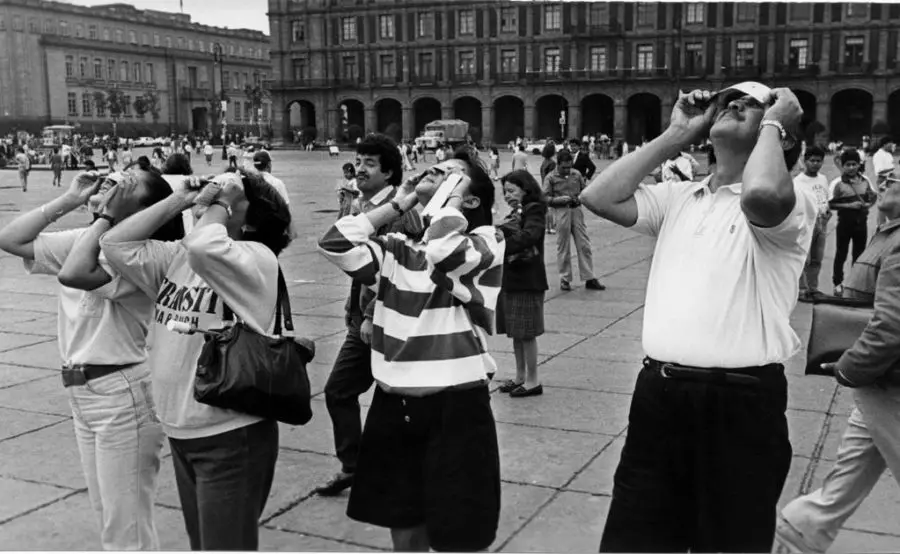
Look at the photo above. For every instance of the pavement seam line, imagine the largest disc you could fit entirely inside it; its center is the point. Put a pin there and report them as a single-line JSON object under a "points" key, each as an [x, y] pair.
{"points": [[816, 455], [49, 339], [22, 434], [323, 537], [28, 382], [559, 490], [41, 507]]}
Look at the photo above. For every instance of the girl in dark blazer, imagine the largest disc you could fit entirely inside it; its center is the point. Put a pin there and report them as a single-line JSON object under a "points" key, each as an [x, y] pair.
{"points": [[520, 308]]}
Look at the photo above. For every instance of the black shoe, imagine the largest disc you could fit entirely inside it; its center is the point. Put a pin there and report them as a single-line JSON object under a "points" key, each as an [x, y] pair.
{"points": [[336, 485], [521, 391], [594, 284]]}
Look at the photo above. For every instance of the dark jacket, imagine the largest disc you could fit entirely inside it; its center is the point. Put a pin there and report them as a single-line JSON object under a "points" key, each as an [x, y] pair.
{"points": [[523, 231], [584, 165]]}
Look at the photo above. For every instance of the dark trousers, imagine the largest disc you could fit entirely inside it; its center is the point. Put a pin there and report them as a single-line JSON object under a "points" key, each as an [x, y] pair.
{"points": [[702, 467], [848, 229], [350, 377], [223, 483]]}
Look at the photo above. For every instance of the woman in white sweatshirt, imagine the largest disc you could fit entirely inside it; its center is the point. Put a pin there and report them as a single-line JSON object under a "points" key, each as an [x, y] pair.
{"points": [[103, 325], [224, 460]]}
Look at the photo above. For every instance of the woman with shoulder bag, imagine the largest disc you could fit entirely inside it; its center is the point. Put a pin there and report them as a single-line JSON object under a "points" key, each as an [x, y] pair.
{"points": [[224, 460], [520, 308]]}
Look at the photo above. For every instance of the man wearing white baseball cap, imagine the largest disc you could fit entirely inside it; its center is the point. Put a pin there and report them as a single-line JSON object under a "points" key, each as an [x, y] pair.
{"points": [[707, 450]]}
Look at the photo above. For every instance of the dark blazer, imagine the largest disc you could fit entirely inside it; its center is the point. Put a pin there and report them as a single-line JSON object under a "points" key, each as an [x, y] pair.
{"points": [[584, 165], [521, 234]]}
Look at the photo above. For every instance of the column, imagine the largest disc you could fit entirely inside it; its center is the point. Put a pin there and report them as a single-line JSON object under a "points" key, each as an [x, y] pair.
{"points": [[371, 120], [879, 110], [882, 50], [529, 118], [573, 122], [326, 128], [409, 124], [665, 114], [279, 128], [487, 124], [620, 119], [447, 111], [823, 113], [824, 60]]}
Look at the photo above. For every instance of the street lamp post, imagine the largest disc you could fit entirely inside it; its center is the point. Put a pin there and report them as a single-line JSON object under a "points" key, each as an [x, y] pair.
{"points": [[218, 59]]}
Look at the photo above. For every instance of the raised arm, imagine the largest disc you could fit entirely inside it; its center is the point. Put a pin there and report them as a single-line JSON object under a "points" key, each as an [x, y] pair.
{"points": [[82, 269], [767, 194], [18, 237], [611, 194]]}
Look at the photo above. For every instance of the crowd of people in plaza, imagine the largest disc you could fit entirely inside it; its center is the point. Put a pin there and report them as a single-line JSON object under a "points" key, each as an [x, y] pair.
{"points": [[432, 272]]}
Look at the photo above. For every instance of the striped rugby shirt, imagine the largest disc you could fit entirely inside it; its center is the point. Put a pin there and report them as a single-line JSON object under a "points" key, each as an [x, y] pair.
{"points": [[435, 298]]}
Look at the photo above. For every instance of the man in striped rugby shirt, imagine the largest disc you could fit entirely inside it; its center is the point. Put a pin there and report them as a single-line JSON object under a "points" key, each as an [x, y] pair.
{"points": [[429, 466]]}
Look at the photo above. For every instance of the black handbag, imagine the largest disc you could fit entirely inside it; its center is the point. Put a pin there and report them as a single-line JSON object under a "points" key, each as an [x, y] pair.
{"points": [[836, 324], [240, 369]]}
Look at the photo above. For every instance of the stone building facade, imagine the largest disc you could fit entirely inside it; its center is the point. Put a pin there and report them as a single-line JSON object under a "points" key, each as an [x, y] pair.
{"points": [[55, 56], [553, 69]]}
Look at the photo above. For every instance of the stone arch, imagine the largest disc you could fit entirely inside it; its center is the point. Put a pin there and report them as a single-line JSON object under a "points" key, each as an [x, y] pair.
{"points": [[509, 118], [598, 115], [809, 103], [893, 114], [468, 109], [389, 117], [644, 118], [425, 110], [550, 109], [851, 115], [351, 120], [300, 115]]}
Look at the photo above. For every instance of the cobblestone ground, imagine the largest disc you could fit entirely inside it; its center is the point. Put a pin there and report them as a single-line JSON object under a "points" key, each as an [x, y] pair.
{"points": [[558, 451]]}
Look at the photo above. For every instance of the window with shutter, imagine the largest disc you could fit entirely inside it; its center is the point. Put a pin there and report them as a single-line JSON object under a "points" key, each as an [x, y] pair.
{"points": [[892, 49], [411, 27], [451, 24], [492, 20], [837, 11], [873, 48], [370, 30], [746, 13], [817, 48], [479, 24], [764, 14], [711, 56], [894, 11], [876, 12], [398, 27], [661, 13], [728, 14], [712, 15], [629, 17], [523, 18], [834, 54], [536, 20], [566, 18], [439, 26], [361, 26], [781, 13]]}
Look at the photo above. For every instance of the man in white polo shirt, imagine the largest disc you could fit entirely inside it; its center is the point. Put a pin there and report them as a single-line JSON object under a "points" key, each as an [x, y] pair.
{"points": [[707, 450], [883, 166]]}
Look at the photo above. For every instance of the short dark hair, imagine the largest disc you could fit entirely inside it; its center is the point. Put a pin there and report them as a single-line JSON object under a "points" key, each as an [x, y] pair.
{"points": [[814, 152], [348, 167], [575, 142], [549, 150], [850, 155], [885, 141], [177, 164], [388, 154], [563, 156], [481, 187], [525, 181], [268, 213], [158, 189], [522, 146]]}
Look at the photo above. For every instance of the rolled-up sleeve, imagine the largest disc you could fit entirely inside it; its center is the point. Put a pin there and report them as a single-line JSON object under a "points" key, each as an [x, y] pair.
{"points": [[652, 205]]}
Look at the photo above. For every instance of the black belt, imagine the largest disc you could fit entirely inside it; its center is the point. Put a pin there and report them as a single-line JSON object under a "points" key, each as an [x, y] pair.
{"points": [[727, 376], [78, 375]]}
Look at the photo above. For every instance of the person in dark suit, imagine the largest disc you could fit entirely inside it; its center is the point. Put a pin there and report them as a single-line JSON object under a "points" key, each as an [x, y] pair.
{"points": [[583, 162]]}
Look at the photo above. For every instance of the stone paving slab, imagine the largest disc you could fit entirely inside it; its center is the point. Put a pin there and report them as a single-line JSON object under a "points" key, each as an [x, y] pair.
{"points": [[558, 451]]}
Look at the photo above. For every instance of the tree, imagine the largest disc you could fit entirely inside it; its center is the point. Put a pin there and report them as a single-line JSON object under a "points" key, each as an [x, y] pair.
{"points": [[140, 107], [115, 103], [151, 102], [256, 95], [99, 99]]}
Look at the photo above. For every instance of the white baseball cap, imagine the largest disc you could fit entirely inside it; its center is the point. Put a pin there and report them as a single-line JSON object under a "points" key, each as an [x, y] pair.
{"points": [[758, 91]]}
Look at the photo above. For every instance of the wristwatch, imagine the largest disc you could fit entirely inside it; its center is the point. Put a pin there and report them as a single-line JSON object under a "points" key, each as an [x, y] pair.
{"points": [[396, 205], [787, 141], [107, 217], [224, 205]]}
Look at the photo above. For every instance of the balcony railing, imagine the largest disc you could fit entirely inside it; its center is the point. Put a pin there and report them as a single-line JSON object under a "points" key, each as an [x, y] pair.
{"points": [[424, 80], [742, 71], [348, 81], [597, 29], [810, 70], [196, 93], [507, 77], [300, 84], [865, 68], [465, 78]]}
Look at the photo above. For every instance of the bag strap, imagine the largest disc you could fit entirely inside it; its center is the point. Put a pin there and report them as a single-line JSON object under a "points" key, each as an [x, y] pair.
{"points": [[282, 308]]}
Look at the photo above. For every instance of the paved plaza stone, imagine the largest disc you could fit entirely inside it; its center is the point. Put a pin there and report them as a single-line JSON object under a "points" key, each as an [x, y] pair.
{"points": [[558, 451]]}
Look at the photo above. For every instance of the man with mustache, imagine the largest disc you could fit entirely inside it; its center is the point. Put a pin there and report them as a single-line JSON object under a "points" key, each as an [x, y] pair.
{"points": [[379, 170], [707, 450]]}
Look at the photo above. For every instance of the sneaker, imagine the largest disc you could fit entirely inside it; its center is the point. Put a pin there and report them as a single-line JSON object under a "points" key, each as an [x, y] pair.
{"points": [[340, 482], [565, 285], [594, 284]]}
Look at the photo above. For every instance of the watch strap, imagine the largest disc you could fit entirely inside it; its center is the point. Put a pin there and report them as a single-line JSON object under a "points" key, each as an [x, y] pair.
{"points": [[396, 205], [107, 217], [223, 204]]}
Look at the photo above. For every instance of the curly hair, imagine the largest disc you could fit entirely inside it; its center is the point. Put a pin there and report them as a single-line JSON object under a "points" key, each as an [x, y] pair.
{"points": [[389, 157], [177, 164]]}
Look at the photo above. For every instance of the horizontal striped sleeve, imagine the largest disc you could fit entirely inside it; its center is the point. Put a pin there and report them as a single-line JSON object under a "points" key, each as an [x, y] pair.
{"points": [[458, 259], [349, 244], [428, 348]]}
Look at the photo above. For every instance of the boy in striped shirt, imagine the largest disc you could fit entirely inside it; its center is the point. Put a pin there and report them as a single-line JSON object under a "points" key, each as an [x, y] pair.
{"points": [[429, 466]]}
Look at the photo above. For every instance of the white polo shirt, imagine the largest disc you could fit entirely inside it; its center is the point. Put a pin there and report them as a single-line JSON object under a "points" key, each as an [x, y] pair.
{"points": [[721, 290], [882, 161]]}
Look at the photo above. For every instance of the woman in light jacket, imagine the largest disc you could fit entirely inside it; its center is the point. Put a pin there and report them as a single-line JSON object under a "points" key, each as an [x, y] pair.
{"points": [[224, 460]]}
